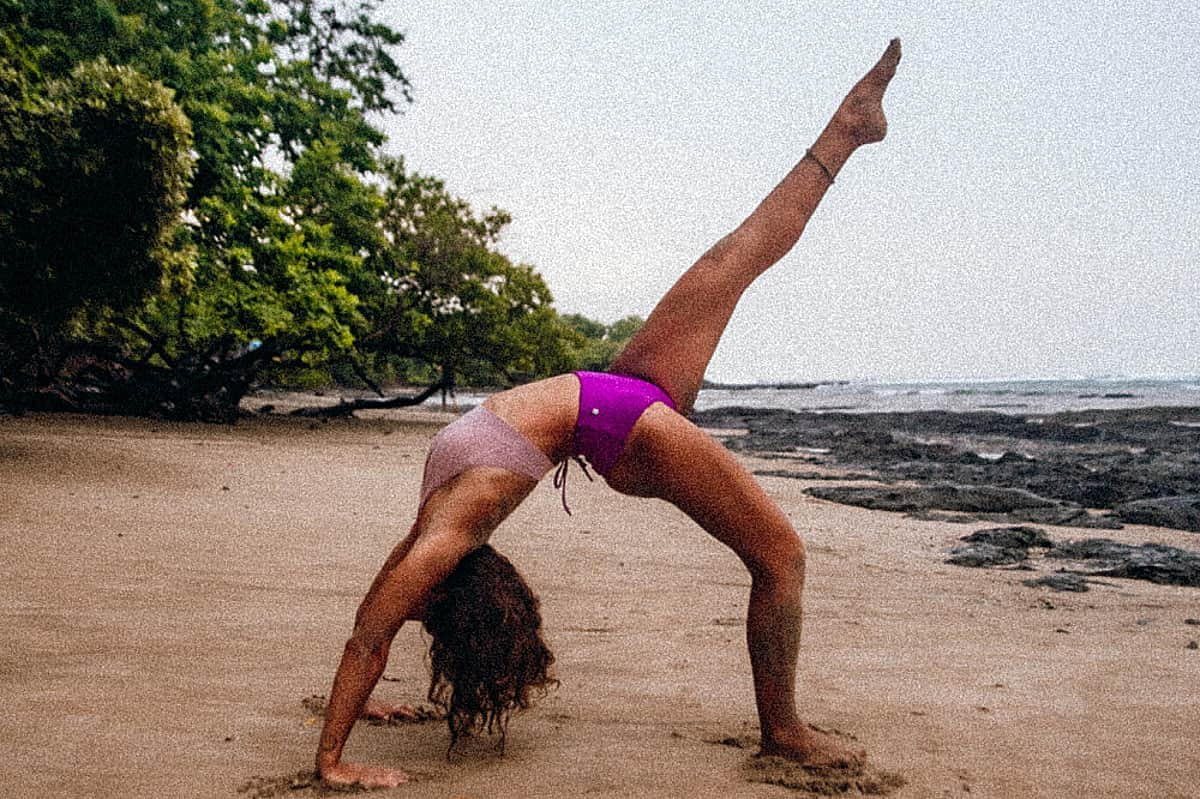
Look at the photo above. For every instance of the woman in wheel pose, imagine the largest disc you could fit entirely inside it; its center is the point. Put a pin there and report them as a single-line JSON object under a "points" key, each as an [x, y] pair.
{"points": [[631, 425]]}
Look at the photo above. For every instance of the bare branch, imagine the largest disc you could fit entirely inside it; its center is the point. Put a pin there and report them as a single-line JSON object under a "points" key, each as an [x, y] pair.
{"points": [[347, 407]]}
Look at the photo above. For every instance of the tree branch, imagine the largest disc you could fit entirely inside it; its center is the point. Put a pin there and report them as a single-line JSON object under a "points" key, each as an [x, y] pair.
{"points": [[157, 343], [348, 407]]}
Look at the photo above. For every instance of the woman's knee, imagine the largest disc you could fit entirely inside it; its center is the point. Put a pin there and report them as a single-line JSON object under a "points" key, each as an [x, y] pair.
{"points": [[783, 563]]}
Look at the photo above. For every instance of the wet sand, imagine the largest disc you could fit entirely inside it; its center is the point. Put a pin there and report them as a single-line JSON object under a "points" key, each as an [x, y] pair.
{"points": [[173, 594]]}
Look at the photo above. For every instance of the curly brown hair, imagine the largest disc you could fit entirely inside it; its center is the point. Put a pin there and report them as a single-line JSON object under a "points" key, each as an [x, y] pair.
{"points": [[487, 656]]}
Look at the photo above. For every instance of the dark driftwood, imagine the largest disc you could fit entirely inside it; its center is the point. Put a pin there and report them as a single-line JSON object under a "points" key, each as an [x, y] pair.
{"points": [[347, 407]]}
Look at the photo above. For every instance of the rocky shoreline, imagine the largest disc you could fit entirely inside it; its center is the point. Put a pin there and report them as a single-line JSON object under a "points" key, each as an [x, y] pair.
{"points": [[1090, 469], [1082, 468]]}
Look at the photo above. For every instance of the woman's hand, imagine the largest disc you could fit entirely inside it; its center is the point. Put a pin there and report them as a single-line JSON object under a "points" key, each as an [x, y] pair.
{"points": [[347, 774], [383, 711]]}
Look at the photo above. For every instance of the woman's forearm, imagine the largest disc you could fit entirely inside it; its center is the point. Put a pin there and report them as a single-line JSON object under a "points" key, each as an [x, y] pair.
{"points": [[357, 674]]}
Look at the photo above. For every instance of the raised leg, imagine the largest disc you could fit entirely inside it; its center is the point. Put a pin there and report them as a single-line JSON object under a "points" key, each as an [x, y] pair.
{"points": [[674, 347]]}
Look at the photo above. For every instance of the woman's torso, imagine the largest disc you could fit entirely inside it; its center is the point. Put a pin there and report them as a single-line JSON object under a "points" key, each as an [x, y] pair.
{"points": [[545, 415], [477, 500], [543, 412]]}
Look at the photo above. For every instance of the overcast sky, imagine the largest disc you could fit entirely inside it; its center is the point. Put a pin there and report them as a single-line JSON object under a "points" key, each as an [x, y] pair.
{"points": [[1032, 213]]}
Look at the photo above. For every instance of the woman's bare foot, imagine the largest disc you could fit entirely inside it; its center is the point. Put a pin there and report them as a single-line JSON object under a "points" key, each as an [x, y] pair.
{"points": [[814, 748], [860, 118]]}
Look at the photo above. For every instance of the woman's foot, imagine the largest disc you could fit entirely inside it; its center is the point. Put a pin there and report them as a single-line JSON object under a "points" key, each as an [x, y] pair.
{"points": [[860, 119], [813, 748]]}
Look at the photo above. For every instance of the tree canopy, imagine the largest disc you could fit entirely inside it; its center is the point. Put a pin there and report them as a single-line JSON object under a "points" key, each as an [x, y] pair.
{"points": [[602, 343], [194, 198]]}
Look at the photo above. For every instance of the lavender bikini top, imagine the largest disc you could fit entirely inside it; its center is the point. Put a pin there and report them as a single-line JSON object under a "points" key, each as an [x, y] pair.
{"points": [[480, 438]]}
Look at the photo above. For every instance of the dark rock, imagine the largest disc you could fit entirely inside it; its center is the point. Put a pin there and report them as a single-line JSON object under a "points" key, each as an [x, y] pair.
{"points": [[1181, 513], [1092, 549], [1156, 563], [811, 475], [1100, 459], [1011, 537], [1098, 557], [980, 503], [1061, 515], [943, 516], [980, 555], [1059, 581], [998, 546], [961, 498]]}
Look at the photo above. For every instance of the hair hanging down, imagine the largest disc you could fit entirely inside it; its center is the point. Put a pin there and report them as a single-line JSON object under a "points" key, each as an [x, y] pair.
{"points": [[487, 656]]}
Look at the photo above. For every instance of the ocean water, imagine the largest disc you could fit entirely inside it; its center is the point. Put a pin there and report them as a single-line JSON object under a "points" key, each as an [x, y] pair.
{"points": [[1007, 396]]}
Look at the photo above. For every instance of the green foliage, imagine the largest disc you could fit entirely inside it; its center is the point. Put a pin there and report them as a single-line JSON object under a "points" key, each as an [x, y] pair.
{"points": [[442, 295], [93, 169], [601, 343], [192, 191], [278, 214], [623, 329], [114, 147]]}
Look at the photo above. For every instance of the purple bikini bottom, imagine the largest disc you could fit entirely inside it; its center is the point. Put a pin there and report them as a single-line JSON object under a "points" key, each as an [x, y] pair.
{"points": [[609, 407]]}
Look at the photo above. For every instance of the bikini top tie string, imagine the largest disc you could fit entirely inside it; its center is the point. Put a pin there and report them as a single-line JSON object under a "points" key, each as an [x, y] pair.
{"points": [[560, 477]]}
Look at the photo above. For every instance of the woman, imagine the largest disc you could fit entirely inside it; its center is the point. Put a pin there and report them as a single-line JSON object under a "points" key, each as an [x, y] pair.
{"points": [[630, 424]]}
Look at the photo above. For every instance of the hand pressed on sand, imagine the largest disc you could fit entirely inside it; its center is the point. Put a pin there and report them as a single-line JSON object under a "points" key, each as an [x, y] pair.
{"points": [[385, 711], [347, 774], [372, 776]]}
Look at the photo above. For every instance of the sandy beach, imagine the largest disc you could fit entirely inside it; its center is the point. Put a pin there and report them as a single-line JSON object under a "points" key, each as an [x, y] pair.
{"points": [[173, 594]]}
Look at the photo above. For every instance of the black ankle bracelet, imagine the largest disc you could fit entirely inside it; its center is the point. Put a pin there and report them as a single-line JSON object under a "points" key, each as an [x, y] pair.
{"points": [[810, 154]]}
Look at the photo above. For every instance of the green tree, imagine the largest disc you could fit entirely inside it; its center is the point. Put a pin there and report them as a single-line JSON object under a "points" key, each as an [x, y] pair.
{"points": [[601, 343], [443, 296], [623, 329], [299, 246], [278, 212], [114, 148]]}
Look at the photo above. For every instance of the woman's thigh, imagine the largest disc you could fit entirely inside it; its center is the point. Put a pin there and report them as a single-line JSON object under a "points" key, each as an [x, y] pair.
{"points": [[669, 458], [673, 348]]}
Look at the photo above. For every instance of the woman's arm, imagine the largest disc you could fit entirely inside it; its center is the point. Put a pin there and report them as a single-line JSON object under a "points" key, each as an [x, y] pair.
{"points": [[357, 674], [399, 592]]}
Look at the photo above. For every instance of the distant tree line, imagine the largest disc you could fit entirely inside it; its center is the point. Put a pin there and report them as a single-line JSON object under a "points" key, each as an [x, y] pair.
{"points": [[194, 201]]}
